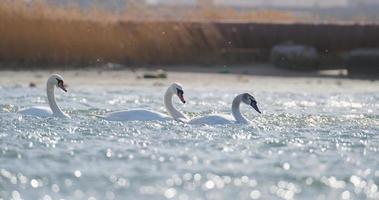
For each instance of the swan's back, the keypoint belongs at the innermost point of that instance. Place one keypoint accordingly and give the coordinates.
(38, 111)
(136, 115)
(213, 120)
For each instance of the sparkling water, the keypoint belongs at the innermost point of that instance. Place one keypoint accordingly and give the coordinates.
(307, 144)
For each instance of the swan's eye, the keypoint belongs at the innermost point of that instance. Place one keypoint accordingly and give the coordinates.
(60, 82)
(180, 92)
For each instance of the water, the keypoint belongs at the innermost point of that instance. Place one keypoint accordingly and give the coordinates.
(306, 145)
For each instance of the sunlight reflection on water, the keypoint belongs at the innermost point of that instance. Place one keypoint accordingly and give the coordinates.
(304, 146)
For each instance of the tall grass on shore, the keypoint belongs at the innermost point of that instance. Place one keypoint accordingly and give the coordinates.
(38, 32)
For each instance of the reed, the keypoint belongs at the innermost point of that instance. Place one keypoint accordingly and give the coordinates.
(46, 33)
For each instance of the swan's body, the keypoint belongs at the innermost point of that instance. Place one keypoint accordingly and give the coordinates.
(147, 115)
(136, 115)
(214, 119)
(53, 110)
(40, 111)
(237, 117)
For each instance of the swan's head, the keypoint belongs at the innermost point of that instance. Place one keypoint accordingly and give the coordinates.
(57, 80)
(177, 89)
(250, 100)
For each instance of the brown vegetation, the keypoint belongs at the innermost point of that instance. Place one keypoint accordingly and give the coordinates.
(42, 33)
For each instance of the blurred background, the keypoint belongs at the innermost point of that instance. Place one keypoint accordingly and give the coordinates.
(304, 35)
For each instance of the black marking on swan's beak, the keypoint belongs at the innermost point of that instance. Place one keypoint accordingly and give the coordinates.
(255, 106)
(61, 85)
(180, 94)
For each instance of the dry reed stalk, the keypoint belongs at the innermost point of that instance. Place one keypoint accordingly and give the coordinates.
(44, 33)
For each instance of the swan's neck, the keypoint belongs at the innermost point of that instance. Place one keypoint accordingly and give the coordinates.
(53, 104)
(236, 110)
(170, 107)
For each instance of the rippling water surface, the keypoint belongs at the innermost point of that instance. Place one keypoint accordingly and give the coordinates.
(304, 146)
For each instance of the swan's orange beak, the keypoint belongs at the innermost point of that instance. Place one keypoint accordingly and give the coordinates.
(181, 97)
(61, 86)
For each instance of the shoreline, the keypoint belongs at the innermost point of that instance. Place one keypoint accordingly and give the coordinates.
(258, 69)
(199, 78)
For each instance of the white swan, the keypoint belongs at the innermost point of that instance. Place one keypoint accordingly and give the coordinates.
(53, 110)
(147, 115)
(227, 119)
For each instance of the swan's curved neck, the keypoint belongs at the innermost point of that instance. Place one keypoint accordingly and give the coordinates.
(170, 107)
(52, 103)
(236, 110)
